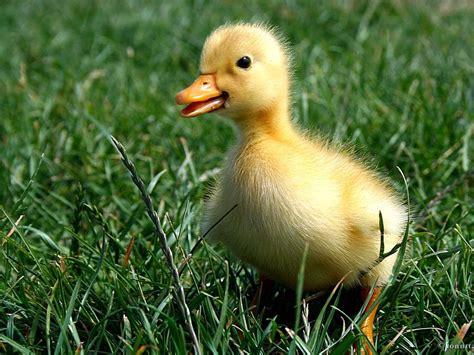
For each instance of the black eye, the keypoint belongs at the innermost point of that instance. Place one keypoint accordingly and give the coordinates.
(244, 62)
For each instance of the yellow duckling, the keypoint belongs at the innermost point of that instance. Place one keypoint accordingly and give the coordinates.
(292, 191)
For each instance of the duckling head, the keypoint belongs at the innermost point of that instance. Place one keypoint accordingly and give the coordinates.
(244, 73)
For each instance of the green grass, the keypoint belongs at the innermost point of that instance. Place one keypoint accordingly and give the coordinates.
(394, 79)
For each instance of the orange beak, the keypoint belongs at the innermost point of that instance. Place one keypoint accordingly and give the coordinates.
(202, 96)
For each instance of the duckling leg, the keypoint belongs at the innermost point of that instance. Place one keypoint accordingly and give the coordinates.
(367, 326)
(264, 284)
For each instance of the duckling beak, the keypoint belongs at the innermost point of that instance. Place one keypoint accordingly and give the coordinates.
(202, 96)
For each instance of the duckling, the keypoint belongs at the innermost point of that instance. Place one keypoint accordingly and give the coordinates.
(293, 192)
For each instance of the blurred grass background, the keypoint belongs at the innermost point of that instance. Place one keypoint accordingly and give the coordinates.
(393, 78)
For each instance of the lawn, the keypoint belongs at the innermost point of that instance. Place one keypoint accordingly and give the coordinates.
(84, 272)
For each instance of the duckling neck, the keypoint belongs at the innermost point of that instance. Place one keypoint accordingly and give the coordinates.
(273, 124)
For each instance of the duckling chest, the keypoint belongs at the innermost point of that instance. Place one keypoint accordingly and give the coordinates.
(260, 184)
(271, 205)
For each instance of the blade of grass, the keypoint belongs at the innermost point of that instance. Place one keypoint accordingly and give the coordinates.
(67, 317)
(179, 290)
(15, 345)
(225, 301)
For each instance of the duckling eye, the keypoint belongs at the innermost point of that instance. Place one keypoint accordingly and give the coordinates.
(244, 62)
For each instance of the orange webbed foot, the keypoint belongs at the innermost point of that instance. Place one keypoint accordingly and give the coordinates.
(367, 326)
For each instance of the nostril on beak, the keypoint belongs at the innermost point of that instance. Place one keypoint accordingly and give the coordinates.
(205, 83)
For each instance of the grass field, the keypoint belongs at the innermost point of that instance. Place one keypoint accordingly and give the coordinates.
(395, 79)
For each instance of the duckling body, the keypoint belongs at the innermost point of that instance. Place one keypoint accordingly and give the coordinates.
(292, 191)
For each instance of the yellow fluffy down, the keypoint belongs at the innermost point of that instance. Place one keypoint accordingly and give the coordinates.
(291, 190)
